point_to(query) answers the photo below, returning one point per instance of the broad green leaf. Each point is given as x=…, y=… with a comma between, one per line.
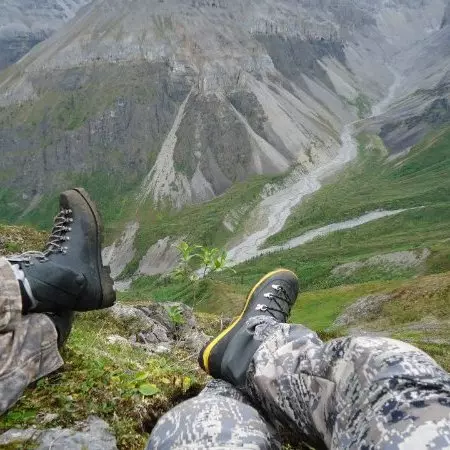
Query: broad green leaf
x=148, y=389
x=141, y=376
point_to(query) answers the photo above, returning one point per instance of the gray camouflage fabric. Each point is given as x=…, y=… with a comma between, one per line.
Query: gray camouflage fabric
x=220, y=417
x=28, y=344
x=350, y=393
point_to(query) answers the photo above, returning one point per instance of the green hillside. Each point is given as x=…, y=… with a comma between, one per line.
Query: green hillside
x=419, y=180
x=417, y=310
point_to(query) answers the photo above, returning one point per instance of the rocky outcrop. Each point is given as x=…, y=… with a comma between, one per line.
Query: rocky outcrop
x=93, y=434
x=158, y=327
x=122, y=251
x=399, y=260
x=363, y=309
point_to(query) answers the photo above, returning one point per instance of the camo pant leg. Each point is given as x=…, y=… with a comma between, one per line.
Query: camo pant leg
x=354, y=392
x=220, y=417
x=28, y=344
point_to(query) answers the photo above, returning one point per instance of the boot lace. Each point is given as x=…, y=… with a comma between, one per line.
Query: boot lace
x=56, y=240
x=58, y=236
x=277, y=299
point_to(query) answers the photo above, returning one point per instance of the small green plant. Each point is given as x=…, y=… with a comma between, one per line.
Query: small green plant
x=176, y=315
x=211, y=260
x=185, y=270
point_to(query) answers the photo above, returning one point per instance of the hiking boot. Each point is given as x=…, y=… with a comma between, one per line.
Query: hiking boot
x=69, y=274
x=228, y=356
x=63, y=321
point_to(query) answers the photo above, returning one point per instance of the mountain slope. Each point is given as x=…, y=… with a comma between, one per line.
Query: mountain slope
x=25, y=23
x=271, y=86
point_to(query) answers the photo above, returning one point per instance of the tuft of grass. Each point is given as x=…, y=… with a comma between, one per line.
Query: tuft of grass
x=18, y=239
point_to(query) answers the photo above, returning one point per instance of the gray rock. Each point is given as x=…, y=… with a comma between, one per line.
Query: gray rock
x=15, y=435
x=25, y=23
x=362, y=309
x=93, y=434
x=152, y=328
x=116, y=339
x=402, y=260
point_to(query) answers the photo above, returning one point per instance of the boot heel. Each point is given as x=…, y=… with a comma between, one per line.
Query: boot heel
x=108, y=292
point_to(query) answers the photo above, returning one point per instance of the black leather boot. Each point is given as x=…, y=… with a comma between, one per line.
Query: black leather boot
x=68, y=275
x=228, y=356
x=63, y=321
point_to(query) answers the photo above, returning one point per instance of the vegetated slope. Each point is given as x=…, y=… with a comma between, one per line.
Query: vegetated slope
x=417, y=181
x=379, y=181
x=213, y=93
x=415, y=310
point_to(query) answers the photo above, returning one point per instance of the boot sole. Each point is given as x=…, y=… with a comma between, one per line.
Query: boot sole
x=108, y=295
x=206, y=352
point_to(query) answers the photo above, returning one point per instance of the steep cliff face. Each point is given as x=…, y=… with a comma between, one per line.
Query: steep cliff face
x=187, y=97
x=423, y=96
x=25, y=23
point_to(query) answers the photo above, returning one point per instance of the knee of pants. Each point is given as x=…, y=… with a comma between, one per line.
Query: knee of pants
x=375, y=359
x=211, y=421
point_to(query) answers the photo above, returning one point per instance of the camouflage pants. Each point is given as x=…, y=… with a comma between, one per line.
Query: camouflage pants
x=355, y=392
x=28, y=344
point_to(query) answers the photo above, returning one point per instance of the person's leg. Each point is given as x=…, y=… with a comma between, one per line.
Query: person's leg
x=349, y=393
x=28, y=344
x=220, y=417
x=354, y=392
x=40, y=290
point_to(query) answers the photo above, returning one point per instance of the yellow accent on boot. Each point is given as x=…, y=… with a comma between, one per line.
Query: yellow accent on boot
x=212, y=344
